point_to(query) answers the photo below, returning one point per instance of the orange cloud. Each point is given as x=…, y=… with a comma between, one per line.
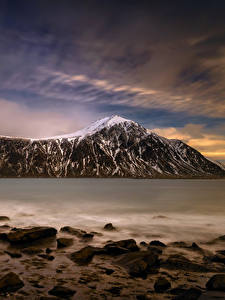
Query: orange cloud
x=210, y=145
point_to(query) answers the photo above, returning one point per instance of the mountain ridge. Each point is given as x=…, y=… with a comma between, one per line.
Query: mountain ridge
x=110, y=147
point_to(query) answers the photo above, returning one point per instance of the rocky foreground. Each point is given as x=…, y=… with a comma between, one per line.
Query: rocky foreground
x=46, y=264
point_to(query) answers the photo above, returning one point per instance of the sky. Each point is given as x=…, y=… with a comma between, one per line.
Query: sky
x=64, y=64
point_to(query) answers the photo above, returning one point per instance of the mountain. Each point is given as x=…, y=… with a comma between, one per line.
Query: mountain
x=110, y=147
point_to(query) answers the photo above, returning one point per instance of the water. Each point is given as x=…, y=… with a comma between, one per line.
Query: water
x=169, y=210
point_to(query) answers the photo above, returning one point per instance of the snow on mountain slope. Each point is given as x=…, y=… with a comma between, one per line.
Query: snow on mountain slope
x=109, y=147
x=93, y=128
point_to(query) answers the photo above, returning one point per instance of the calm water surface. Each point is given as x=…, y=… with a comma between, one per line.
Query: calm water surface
x=168, y=210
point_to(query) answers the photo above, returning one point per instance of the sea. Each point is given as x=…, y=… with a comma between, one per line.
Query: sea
x=144, y=209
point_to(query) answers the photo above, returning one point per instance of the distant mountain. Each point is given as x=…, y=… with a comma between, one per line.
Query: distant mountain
x=110, y=147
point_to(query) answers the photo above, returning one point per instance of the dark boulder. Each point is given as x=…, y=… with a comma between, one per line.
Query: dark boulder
x=179, y=244
x=13, y=254
x=218, y=258
x=179, y=262
x=27, y=235
x=84, y=256
x=129, y=244
x=156, y=250
x=4, y=218
x=157, y=243
x=109, y=227
x=31, y=250
x=162, y=285
x=216, y=283
x=109, y=271
x=64, y=242
x=10, y=283
x=115, y=250
x=47, y=256
x=139, y=263
x=82, y=234
x=115, y=290
x=48, y=250
x=62, y=292
x=143, y=244
x=190, y=294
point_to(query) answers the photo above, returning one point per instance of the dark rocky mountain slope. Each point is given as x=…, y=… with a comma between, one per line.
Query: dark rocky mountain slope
x=111, y=147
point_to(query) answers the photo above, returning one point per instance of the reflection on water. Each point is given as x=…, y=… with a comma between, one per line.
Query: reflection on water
x=145, y=209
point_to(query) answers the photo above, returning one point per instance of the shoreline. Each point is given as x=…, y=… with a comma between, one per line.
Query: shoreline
x=68, y=265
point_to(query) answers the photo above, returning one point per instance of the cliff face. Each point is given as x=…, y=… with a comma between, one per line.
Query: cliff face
x=109, y=147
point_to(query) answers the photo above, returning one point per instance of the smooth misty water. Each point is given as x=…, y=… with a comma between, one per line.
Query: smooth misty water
x=168, y=210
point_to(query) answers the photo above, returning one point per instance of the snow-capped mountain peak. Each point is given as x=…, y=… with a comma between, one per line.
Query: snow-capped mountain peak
x=94, y=127
x=110, y=147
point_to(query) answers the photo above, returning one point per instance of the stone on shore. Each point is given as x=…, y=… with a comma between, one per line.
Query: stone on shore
x=216, y=283
x=62, y=292
x=109, y=227
x=4, y=218
x=84, y=256
x=13, y=254
x=77, y=232
x=179, y=262
x=157, y=244
x=31, y=250
x=190, y=294
x=129, y=245
x=28, y=235
x=162, y=285
x=10, y=283
x=64, y=242
x=139, y=263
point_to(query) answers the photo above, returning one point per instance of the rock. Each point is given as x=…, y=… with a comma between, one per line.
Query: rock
x=179, y=244
x=109, y=227
x=32, y=250
x=64, y=242
x=27, y=235
x=156, y=250
x=129, y=244
x=216, y=283
x=47, y=298
x=115, y=250
x=47, y=256
x=62, y=292
x=139, y=263
x=88, y=236
x=13, y=254
x=143, y=297
x=190, y=294
x=10, y=283
x=109, y=271
x=162, y=285
x=157, y=243
x=4, y=227
x=219, y=258
x=77, y=232
x=84, y=256
x=74, y=231
x=222, y=252
x=115, y=290
x=178, y=290
x=4, y=218
x=3, y=237
x=195, y=246
x=144, y=244
x=48, y=250
x=179, y=262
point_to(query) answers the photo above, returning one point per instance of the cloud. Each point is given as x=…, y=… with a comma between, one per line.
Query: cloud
x=21, y=121
x=207, y=141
